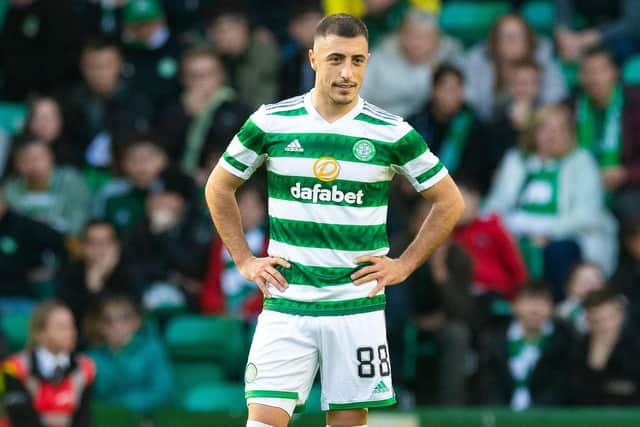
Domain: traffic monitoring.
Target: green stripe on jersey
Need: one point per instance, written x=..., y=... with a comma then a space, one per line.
x=234, y=162
x=297, y=112
x=328, y=236
x=325, y=308
x=375, y=193
x=372, y=120
x=340, y=147
x=320, y=277
x=409, y=147
x=430, y=173
x=251, y=136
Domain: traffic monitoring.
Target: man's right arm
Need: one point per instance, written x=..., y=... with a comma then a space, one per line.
x=223, y=206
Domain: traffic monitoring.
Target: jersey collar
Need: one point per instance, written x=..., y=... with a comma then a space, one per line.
x=308, y=105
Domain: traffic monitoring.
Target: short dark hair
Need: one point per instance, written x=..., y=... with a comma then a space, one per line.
x=100, y=42
x=98, y=222
x=600, y=297
x=599, y=51
x=535, y=289
x=199, y=52
x=445, y=69
x=529, y=63
x=342, y=25
x=26, y=140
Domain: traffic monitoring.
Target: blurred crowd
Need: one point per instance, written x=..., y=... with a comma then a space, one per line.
x=535, y=298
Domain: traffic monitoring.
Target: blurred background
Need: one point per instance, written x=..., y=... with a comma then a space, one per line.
x=115, y=287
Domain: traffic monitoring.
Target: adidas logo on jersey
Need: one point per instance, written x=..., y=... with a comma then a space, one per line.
x=294, y=147
x=381, y=387
x=317, y=193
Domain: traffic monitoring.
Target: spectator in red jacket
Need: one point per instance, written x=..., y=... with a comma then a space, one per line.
x=47, y=385
x=224, y=290
x=498, y=266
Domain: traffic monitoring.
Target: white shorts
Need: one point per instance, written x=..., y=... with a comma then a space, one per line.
x=351, y=352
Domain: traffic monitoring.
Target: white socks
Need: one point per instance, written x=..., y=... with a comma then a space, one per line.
x=251, y=423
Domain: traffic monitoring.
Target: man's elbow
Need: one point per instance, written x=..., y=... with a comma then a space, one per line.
x=456, y=208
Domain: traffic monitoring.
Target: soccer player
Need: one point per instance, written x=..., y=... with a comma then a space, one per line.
x=330, y=157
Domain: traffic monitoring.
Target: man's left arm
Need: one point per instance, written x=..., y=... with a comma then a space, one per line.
x=447, y=207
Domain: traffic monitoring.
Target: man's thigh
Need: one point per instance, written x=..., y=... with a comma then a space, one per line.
x=355, y=365
x=282, y=362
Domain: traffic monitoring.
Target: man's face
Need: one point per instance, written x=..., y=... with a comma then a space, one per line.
x=34, y=162
x=598, y=76
x=525, y=84
x=606, y=319
x=99, y=243
x=202, y=74
x=448, y=94
x=59, y=335
x=118, y=324
x=230, y=35
x=143, y=163
x=533, y=311
x=419, y=41
x=339, y=63
x=101, y=69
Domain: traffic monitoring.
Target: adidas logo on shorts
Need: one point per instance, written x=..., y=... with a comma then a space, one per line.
x=381, y=387
x=294, y=146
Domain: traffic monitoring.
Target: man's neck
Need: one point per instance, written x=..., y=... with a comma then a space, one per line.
x=329, y=110
x=604, y=100
x=442, y=115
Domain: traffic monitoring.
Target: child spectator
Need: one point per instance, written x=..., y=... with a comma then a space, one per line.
x=498, y=267
x=47, y=384
x=133, y=369
x=530, y=359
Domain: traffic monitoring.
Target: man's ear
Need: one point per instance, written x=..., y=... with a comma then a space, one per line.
x=312, y=59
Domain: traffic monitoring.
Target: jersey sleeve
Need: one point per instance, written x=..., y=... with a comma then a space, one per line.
x=413, y=159
x=246, y=152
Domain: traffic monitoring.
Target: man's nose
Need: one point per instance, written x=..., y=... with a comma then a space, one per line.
x=346, y=72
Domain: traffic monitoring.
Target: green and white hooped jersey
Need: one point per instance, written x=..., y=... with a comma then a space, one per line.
x=328, y=186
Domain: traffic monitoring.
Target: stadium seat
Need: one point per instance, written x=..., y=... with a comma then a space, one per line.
x=227, y=397
x=470, y=21
x=540, y=15
x=313, y=404
x=208, y=339
x=12, y=117
x=190, y=374
x=15, y=328
x=631, y=71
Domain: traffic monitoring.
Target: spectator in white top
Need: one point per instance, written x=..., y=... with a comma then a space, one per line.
x=399, y=73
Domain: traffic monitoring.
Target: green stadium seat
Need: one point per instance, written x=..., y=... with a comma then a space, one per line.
x=187, y=375
x=471, y=21
x=208, y=339
x=227, y=397
x=12, y=117
x=540, y=15
x=15, y=328
x=313, y=404
x=631, y=71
